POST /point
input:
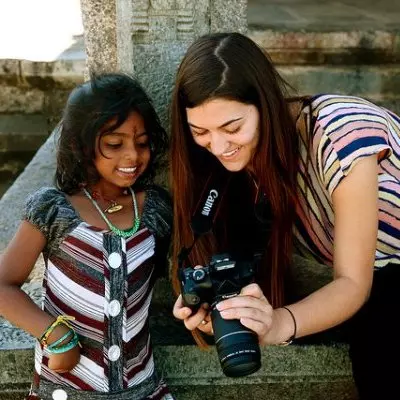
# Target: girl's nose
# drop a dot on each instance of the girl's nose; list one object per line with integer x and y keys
{"x": 130, "y": 153}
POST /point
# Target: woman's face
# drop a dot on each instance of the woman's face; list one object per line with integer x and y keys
{"x": 228, "y": 129}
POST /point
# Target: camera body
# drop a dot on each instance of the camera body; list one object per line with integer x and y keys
{"x": 221, "y": 279}
{"x": 237, "y": 346}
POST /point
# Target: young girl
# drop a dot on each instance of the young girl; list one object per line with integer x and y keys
{"x": 327, "y": 166}
{"x": 104, "y": 233}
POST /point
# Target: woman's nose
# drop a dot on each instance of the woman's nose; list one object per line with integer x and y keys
{"x": 217, "y": 144}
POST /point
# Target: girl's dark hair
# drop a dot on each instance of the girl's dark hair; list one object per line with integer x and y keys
{"x": 103, "y": 99}
{"x": 231, "y": 66}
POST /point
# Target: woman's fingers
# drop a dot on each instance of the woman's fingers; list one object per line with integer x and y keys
{"x": 195, "y": 320}
{"x": 192, "y": 321}
{"x": 180, "y": 311}
{"x": 253, "y": 290}
{"x": 250, "y": 307}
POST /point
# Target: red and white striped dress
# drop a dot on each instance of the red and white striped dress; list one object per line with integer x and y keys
{"x": 106, "y": 283}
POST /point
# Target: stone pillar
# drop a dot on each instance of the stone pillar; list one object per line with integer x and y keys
{"x": 143, "y": 37}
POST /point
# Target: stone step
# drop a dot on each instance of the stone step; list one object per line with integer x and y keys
{"x": 378, "y": 84}
{"x": 335, "y": 47}
{"x": 304, "y": 372}
{"x": 20, "y": 138}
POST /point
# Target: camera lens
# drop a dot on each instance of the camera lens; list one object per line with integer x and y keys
{"x": 237, "y": 346}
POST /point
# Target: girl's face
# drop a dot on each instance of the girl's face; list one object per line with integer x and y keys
{"x": 228, "y": 129}
{"x": 125, "y": 152}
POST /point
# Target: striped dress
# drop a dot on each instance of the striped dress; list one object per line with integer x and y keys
{"x": 344, "y": 130}
{"x": 106, "y": 283}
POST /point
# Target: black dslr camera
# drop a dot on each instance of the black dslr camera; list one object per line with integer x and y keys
{"x": 237, "y": 346}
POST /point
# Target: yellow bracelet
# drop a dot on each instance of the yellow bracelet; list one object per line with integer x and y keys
{"x": 60, "y": 320}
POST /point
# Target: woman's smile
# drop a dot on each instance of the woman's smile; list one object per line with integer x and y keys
{"x": 230, "y": 155}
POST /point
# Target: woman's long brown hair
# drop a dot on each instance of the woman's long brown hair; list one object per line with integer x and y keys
{"x": 231, "y": 66}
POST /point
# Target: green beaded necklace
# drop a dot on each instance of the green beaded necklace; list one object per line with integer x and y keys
{"x": 117, "y": 231}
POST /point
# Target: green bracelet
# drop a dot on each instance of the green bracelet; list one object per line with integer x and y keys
{"x": 54, "y": 345}
{"x": 66, "y": 347}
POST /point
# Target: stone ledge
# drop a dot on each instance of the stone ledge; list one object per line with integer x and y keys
{"x": 352, "y": 47}
{"x": 22, "y": 133}
{"x": 305, "y": 372}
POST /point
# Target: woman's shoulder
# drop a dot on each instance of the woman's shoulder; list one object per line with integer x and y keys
{"x": 324, "y": 106}
{"x": 157, "y": 210}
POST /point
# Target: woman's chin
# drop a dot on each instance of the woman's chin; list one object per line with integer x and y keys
{"x": 233, "y": 166}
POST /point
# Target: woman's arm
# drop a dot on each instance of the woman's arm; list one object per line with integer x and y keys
{"x": 16, "y": 306}
{"x": 355, "y": 203}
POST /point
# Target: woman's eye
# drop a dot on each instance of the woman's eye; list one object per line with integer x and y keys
{"x": 198, "y": 133}
{"x": 233, "y": 131}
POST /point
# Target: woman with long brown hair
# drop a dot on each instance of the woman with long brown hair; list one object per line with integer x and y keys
{"x": 327, "y": 169}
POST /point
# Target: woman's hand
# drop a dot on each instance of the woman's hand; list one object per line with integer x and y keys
{"x": 200, "y": 320}
{"x": 252, "y": 309}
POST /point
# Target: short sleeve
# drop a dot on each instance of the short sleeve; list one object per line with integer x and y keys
{"x": 157, "y": 216}
{"x": 49, "y": 211}
{"x": 344, "y": 137}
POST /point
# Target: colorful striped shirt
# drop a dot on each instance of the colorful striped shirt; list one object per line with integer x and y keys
{"x": 344, "y": 130}
{"x": 106, "y": 283}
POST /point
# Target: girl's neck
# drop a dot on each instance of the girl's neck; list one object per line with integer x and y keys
{"x": 107, "y": 190}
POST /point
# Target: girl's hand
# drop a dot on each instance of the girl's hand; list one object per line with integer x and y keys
{"x": 252, "y": 309}
{"x": 200, "y": 320}
{"x": 64, "y": 362}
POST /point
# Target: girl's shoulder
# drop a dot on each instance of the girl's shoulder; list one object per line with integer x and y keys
{"x": 47, "y": 199}
{"x": 49, "y": 210}
{"x": 157, "y": 210}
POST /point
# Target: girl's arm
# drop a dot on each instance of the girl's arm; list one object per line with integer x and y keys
{"x": 16, "y": 306}
{"x": 355, "y": 203}
{"x": 16, "y": 263}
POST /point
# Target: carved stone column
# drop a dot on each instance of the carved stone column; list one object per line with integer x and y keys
{"x": 143, "y": 37}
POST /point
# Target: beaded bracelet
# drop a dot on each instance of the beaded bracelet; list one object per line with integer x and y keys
{"x": 61, "y": 319}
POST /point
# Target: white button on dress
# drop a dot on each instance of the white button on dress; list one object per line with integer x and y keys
{"x": 114, "y": 352}
{"x": 114, "y": 308}
{"x": 59, "y": 394}
{"x": 114, "y": 260}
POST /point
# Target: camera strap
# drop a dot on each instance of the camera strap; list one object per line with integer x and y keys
{"x": 207, "y": 208}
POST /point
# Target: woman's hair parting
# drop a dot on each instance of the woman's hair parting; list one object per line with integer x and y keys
{"x": 97, "y": 107}
{"x": 231, "y": 66}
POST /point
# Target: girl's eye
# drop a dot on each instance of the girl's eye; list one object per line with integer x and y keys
{"x": 113, "y": 145}
{"x": 143, "y": 145}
